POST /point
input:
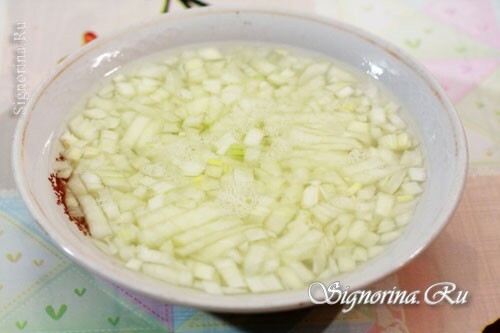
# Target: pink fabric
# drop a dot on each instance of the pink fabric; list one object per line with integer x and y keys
{"x": 472, "y": 17}
{"x": 458, "y": 77}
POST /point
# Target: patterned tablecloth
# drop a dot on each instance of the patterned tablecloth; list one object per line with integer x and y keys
{"x": 458, "y": 40}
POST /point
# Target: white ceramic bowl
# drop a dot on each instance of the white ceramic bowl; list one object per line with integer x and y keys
{"x": 428, "y": 107}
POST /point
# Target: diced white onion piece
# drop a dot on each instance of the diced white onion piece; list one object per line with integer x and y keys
{"x": 204, "y": 271}
{"x": 256, "y": 234}
{"x": 212, "y": 85}
{"x": 153, "y": 256}
{"x": 375, "y": 250}
{"x": 369, "y": 240}
{"x": 310, "y": 196}
{"x": 76, "y": 185}
{"x": 377, "y": 116}
{"x": 107, "y": 203}
{"x": 156, "y": 202}
{"x": 71, "y": 201}
{"x": 263, "y": 66}
{"x": 389, "y": 236}
{"x": 134, "y": 131}
{"x": 162, "y": 187}
{"x": 209, "y": 228}
{"x": 158, "y": 215}
{"x": 288, "y": 278}
{"x": 305, "y": 246}
{"x": 264, "y": 283}
{"x": 253, "y": 137}
{"x": 134, "y": 264}
{"x": 357, "y": 230}
{"x": 125, "y": 89}
{"x": 97, "y": 222}
{"x": 254, "y": 258}
{"x": 236, "y": 256}
{"x": 91, "y": 180}
{"x": 223, "y": 144}
{"x": 199, "y": 216}
{"x": 227, "y": 239}
{"x": 360, "y": 254}
{"x": 168, "y": 274}
{"x": 126, "y": 233}
{"x": 65, "y": 173}
{"x": 412, "y": 188}
{"x": 279, "y": 218}
{"x": 346, "y": 264}
{"x": 417, "y": 174}
{"x": 271, "y": 265}
{"x": 230, "y": 273}
{"x": 211, "y": 287}
{"x": 359, "y": 127}
{"x": 149, "y": 133}
{"x": 404, "y": 219}
{"x": 392, "y": 183}
{"x": 386, "y": 225}
{"x": 302, "y": 272}
{"x": 192, "y": 169}
{"x": 68, "y": 139}
{"x": 411, "y": 158}
{"x": 210, "y": 53}
{"x": 83, "y": 128}
{"x": 332, "y": 270}
{"x": 384, "y": 205}
{"x": 210, "y": 252}
{"x": 74, "y": 154}
{"x": 397, "y": 121}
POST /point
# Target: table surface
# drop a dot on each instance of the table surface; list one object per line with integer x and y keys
{"x": 41, "y": 290}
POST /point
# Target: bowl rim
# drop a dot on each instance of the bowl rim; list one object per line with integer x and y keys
{"x": 247, "y": 303}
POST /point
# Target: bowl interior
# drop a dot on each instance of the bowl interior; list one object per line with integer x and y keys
{"x": 436, "y": 124}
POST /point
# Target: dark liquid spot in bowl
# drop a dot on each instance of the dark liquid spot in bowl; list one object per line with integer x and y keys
{"x": 59, "y": 188}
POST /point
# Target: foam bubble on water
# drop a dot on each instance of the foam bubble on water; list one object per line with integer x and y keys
{"x": 278, "y": 149}
{"x": 240, "y": 199}
{"x": 356, "y": 156}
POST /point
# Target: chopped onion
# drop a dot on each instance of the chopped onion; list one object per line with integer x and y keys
{"x": 241, "y": 169}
